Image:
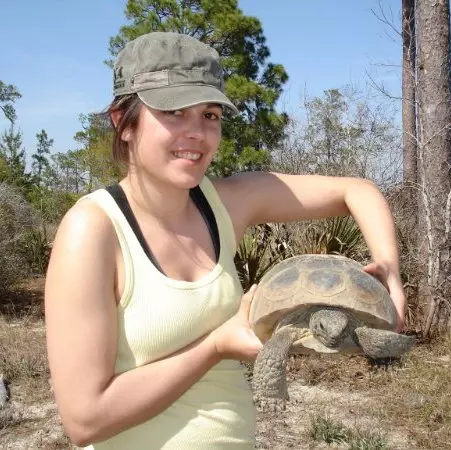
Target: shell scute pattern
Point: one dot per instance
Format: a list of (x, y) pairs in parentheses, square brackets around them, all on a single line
[(308, 280), (325, 283)]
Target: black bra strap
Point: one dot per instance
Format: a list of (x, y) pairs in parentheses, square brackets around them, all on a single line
[(199, 200), (119, 196), (204, 208)]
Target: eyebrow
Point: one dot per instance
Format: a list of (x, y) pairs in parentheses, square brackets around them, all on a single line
[(214, 105)]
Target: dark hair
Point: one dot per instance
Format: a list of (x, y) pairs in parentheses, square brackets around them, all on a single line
[(130, 106)]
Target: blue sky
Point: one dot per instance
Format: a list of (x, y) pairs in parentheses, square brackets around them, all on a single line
[(53, 51)]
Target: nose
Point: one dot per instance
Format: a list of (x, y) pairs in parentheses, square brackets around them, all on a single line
[(195, 128)]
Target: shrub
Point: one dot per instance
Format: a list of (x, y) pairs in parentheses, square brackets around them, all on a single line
[(260, 249), (16, 217), (34, 248)]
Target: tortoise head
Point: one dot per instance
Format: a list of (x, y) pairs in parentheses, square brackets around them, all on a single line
[(329, 326)]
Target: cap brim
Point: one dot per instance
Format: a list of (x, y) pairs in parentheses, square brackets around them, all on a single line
[(172, 98)]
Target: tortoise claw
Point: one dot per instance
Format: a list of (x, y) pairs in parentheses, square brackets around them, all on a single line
[(270, 404)]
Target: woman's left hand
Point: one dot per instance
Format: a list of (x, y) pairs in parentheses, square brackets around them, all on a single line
[(392, 282)]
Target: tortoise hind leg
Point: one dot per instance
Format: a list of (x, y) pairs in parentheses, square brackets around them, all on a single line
[(382, 343), (269, 381)]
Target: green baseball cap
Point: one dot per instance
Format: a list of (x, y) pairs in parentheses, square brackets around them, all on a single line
[(170, 71)]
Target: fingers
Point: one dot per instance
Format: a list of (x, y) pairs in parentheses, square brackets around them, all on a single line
[(246, 300), (374, 269), (400, 322), (378, 272)]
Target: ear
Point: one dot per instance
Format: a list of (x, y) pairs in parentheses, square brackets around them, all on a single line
[(116, 117)]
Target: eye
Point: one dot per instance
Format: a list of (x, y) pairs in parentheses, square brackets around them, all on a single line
[(176, 112), (210, 115)]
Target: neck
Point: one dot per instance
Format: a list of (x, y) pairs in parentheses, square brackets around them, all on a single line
[(155, 199)]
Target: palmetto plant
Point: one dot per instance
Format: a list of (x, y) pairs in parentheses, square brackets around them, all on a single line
[(335, 236), (264, 246), (261, 248)]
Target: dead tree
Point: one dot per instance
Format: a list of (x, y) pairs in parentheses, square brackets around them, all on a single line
[(434, 160), (408, 97)]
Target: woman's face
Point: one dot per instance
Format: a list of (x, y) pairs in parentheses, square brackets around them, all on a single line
[(176, 147)]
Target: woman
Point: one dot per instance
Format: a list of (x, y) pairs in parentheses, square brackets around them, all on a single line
[(146, 320)]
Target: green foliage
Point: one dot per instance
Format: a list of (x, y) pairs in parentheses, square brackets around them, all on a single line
[(34, 248), (16, 217), (368, 441), (251, 83), (265, 245), (95, 157), (336, 236), (345, 133), (227, 160), (8, 95), (52, 203), (66, 172), (40, 160), (260, 249), (12, 153), (326, 430)]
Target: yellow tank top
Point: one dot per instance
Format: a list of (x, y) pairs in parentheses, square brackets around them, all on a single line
[(157, 316)]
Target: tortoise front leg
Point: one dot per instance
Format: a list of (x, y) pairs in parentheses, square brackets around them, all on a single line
[(269, 381), (382, 343)]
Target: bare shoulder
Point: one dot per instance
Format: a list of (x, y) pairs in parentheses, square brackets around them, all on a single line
[(84, 248), (242, 183), (84, 224), (236, 193), (245, 193)]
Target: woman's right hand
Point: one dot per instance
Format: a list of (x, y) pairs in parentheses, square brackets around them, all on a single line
[(235, 339)]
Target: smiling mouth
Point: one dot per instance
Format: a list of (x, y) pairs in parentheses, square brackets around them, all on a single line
[(188, 155)]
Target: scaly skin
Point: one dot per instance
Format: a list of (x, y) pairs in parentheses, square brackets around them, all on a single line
[(270, 380), (382, 343), (329, 326)]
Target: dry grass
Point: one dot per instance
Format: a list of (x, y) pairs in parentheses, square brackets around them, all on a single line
[(413, 394), (424, 386), (23, 353), (24, 303), (29, 421), (350, 401)]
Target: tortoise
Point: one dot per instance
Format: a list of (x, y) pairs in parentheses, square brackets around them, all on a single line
[(318, 303)]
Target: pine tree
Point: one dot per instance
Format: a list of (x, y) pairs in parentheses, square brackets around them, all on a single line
[(253, 84), (13, 155), (8, 95), (40, 160)]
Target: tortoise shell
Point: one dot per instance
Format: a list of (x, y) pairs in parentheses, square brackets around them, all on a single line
[(310, 280)]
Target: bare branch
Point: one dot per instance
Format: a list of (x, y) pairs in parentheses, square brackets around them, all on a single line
[(382, 16), (381, 88)]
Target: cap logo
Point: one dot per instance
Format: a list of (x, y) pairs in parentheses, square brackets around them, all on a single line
[(119, 81)]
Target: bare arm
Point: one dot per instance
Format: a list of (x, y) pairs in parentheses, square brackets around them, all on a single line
[(258, 197), (93, 402)]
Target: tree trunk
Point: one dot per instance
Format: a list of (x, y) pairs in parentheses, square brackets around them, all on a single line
[(410, 190), (408, 97), (434, 160)]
